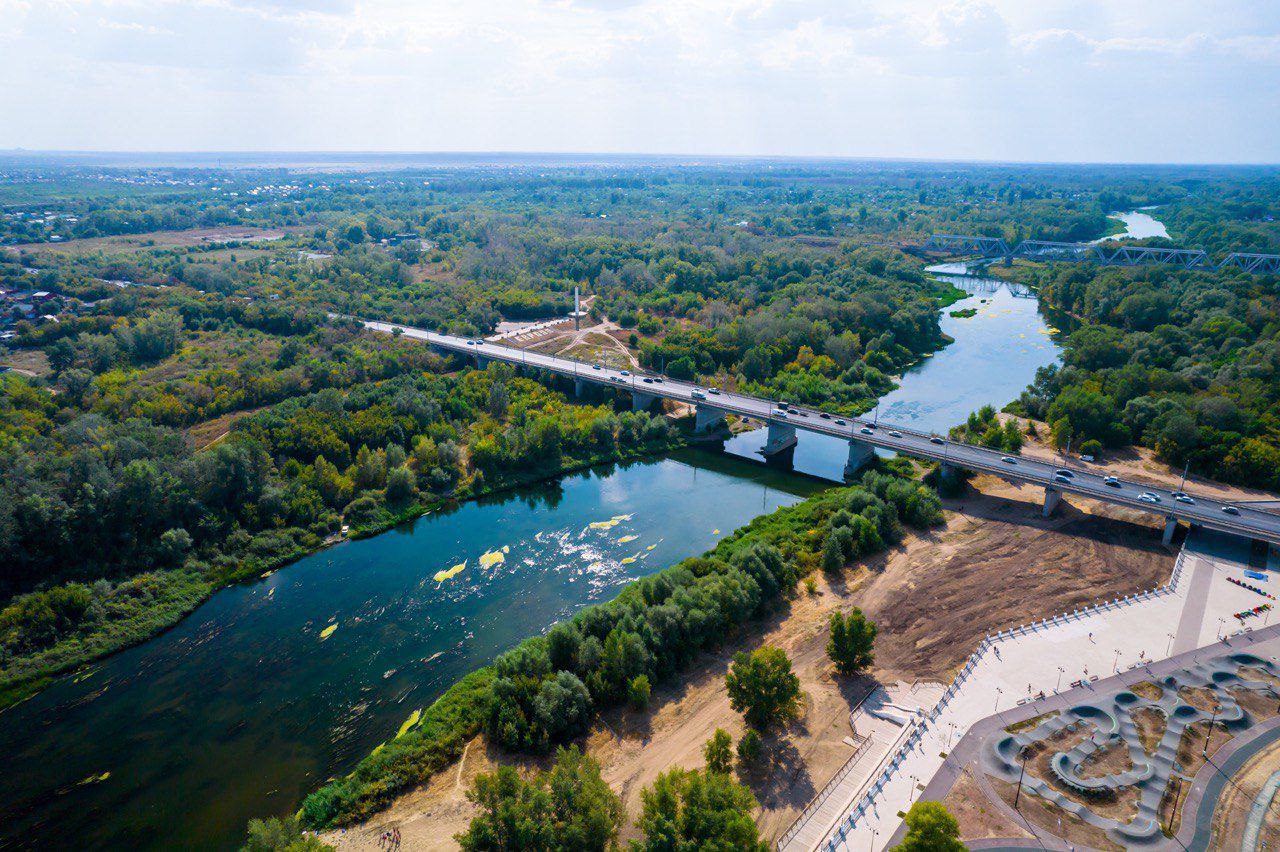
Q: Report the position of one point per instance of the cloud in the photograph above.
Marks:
(981, 78)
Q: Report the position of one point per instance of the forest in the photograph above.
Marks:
(1186, 363)
(183, 410)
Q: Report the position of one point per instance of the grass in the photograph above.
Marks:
(964, 313)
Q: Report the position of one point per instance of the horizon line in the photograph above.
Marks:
(49, 153)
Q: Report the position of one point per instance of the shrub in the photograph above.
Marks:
(638, 693)
(718, 752)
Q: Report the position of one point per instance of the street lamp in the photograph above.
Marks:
(1169, 649)
(1115, 666)
(1058, 685)
(999, 692)
(1208, 736)
(1021, 772)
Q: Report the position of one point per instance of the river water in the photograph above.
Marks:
(244, 707)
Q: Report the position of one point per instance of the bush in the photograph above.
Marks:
(570, 807)
(697, 810)
(280, 835)
(718, 752)
(638, 693)
(749, 747)
(930, 828)
(1091, 447)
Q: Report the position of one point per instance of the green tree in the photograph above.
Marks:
(718, 752)
(762, 686)
(930, 828)
(851, 642)
(689, 810)
(570, 807)
(832, 553)
(280, 835)
(638, 692)
(749, 746)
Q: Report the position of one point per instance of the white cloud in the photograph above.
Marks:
(1054, 79)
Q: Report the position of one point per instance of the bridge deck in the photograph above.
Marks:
(1205, 511)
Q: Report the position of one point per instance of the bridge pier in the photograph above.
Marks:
(641, 401)
(1052, 497)
(782, 437)
(578, 386)
(481, 362)
(860, 455)
(707, 419)
(1170, 529)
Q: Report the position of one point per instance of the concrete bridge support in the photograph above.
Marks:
(782, 437)
(860, 455)
(481, 362)
(707, 419)
(641, 401)
(578, 386)
(1170, 529)
(1052, 497)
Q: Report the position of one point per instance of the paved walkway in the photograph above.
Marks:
(969, 751)
(1047, 658)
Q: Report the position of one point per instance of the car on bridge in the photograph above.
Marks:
(698, 395)
(936, 440)
(1112, 481)
(1231, 510)
(1149, 497)
(1008, 460)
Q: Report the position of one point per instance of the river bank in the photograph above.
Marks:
(177, 593)
(243, 707)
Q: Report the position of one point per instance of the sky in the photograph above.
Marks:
(1032, 80)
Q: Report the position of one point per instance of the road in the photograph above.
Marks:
(1204, 511)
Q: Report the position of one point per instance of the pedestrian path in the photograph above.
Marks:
(1018, 666)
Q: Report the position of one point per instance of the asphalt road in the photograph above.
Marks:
(1205, 511)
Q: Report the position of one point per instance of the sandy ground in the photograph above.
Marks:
(1237, 799)
(977, 817)
(932, 599)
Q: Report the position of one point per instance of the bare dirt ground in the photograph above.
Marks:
(977, 816)
(1237, 799)
(211, 431)
(160, 239)
(28, 362)
(995, 564)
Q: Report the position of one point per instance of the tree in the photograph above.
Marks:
(749, 747)
(762, 686)
(280, 835)
(562, 707)
(697, 810)
(718, 752)
(401, 485)
(930, 828)
(638, 692)
(832, 553)
(570, 807)
(851, 642)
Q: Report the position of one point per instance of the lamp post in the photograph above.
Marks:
(1169, 649)
(1058, 685)
(1208, 736)
(1115, 666)
(1021, 772)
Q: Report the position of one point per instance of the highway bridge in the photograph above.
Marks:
(1103, 254)
(864, 437)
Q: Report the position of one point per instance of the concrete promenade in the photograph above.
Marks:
(1013, 669)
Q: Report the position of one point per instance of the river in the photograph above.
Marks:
(1138, 225)
(243, 708)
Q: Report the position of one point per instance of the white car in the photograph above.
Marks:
(1148, 497)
